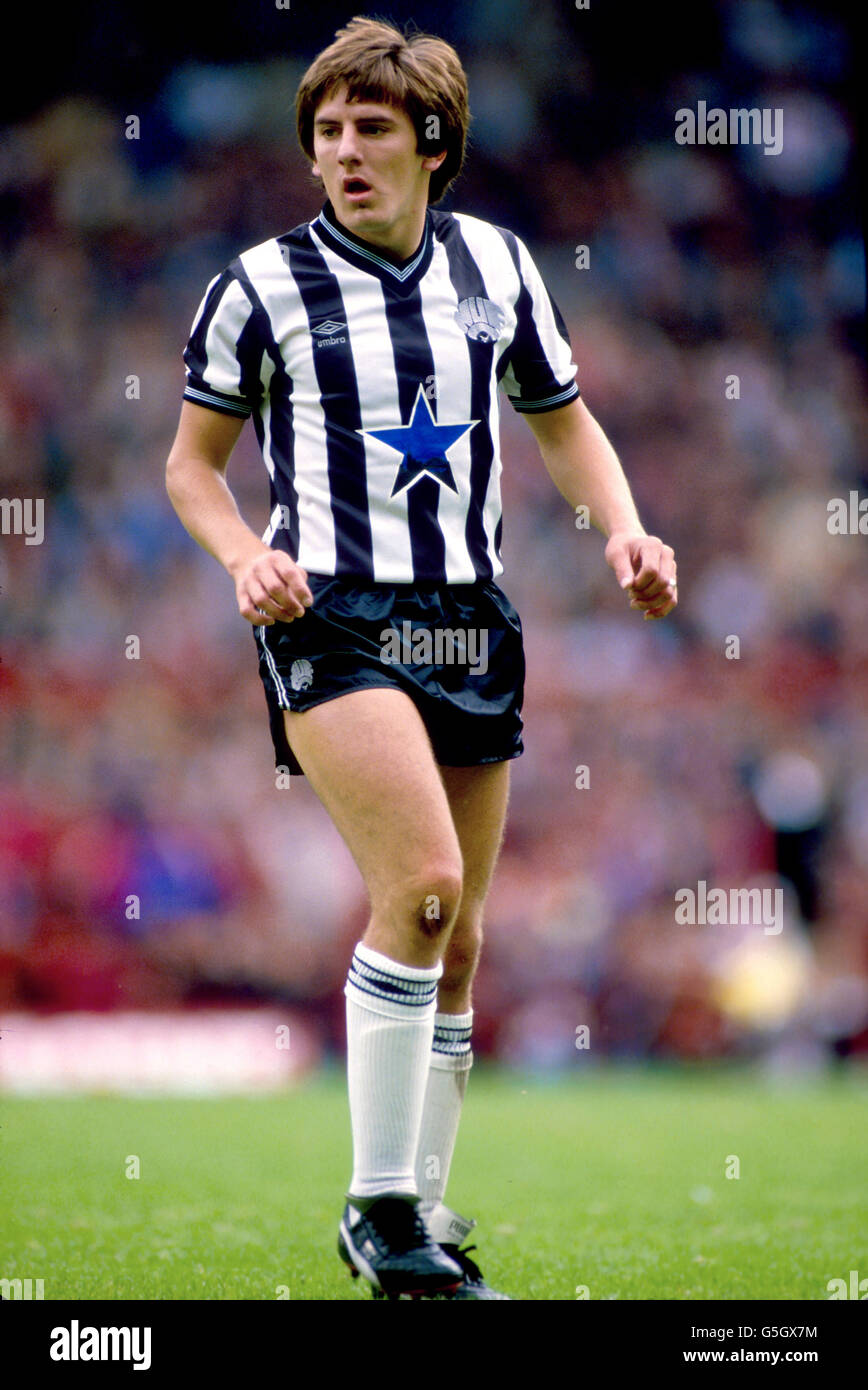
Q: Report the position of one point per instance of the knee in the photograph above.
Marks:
(437, 909)
(430, 900)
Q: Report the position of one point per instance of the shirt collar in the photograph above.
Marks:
(387, 265)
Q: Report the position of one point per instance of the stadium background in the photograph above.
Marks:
(153, 776)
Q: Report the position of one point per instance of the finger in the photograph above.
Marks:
(651, 598)
(286, 603)
(623, 570)
(288, 593)
(292, 579)
(648, 576)
(656, 562)
(661, 610)
(621, 564)
(273, 604)
(663, 588)
(255, 616)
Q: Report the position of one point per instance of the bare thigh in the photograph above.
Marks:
(368, 757)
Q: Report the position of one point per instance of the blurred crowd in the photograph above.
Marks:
(147, 857)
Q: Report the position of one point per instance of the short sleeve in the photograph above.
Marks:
(224, 352)
(540, 372)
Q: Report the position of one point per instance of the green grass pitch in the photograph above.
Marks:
(613, 1180)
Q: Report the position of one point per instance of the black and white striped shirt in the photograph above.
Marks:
(372, 383)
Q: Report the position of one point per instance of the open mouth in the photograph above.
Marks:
(356, 188)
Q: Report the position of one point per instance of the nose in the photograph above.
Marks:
(348, 149)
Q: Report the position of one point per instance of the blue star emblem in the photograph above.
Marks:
(423, 444)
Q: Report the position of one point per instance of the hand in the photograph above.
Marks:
(270, 587)
(645, 569)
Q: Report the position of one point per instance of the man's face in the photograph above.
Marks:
(365, 154)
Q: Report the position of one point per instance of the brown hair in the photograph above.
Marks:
(417, 73)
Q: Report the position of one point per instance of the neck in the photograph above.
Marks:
(400, 242)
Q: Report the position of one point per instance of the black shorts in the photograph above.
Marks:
(455, 649)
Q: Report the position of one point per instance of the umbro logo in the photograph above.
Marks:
(328, 333)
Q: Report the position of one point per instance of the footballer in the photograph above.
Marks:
(369, 346)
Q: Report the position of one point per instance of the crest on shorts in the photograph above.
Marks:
(301, 674)
(480, 319)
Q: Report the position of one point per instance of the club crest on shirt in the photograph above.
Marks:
(301, 674)
(480, 319)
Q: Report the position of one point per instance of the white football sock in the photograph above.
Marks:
(390, 1028)
(450, 1063)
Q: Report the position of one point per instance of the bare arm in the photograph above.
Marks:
(585, 469)
(265, 579)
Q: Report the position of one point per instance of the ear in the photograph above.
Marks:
(316, 170)
(431, 162)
